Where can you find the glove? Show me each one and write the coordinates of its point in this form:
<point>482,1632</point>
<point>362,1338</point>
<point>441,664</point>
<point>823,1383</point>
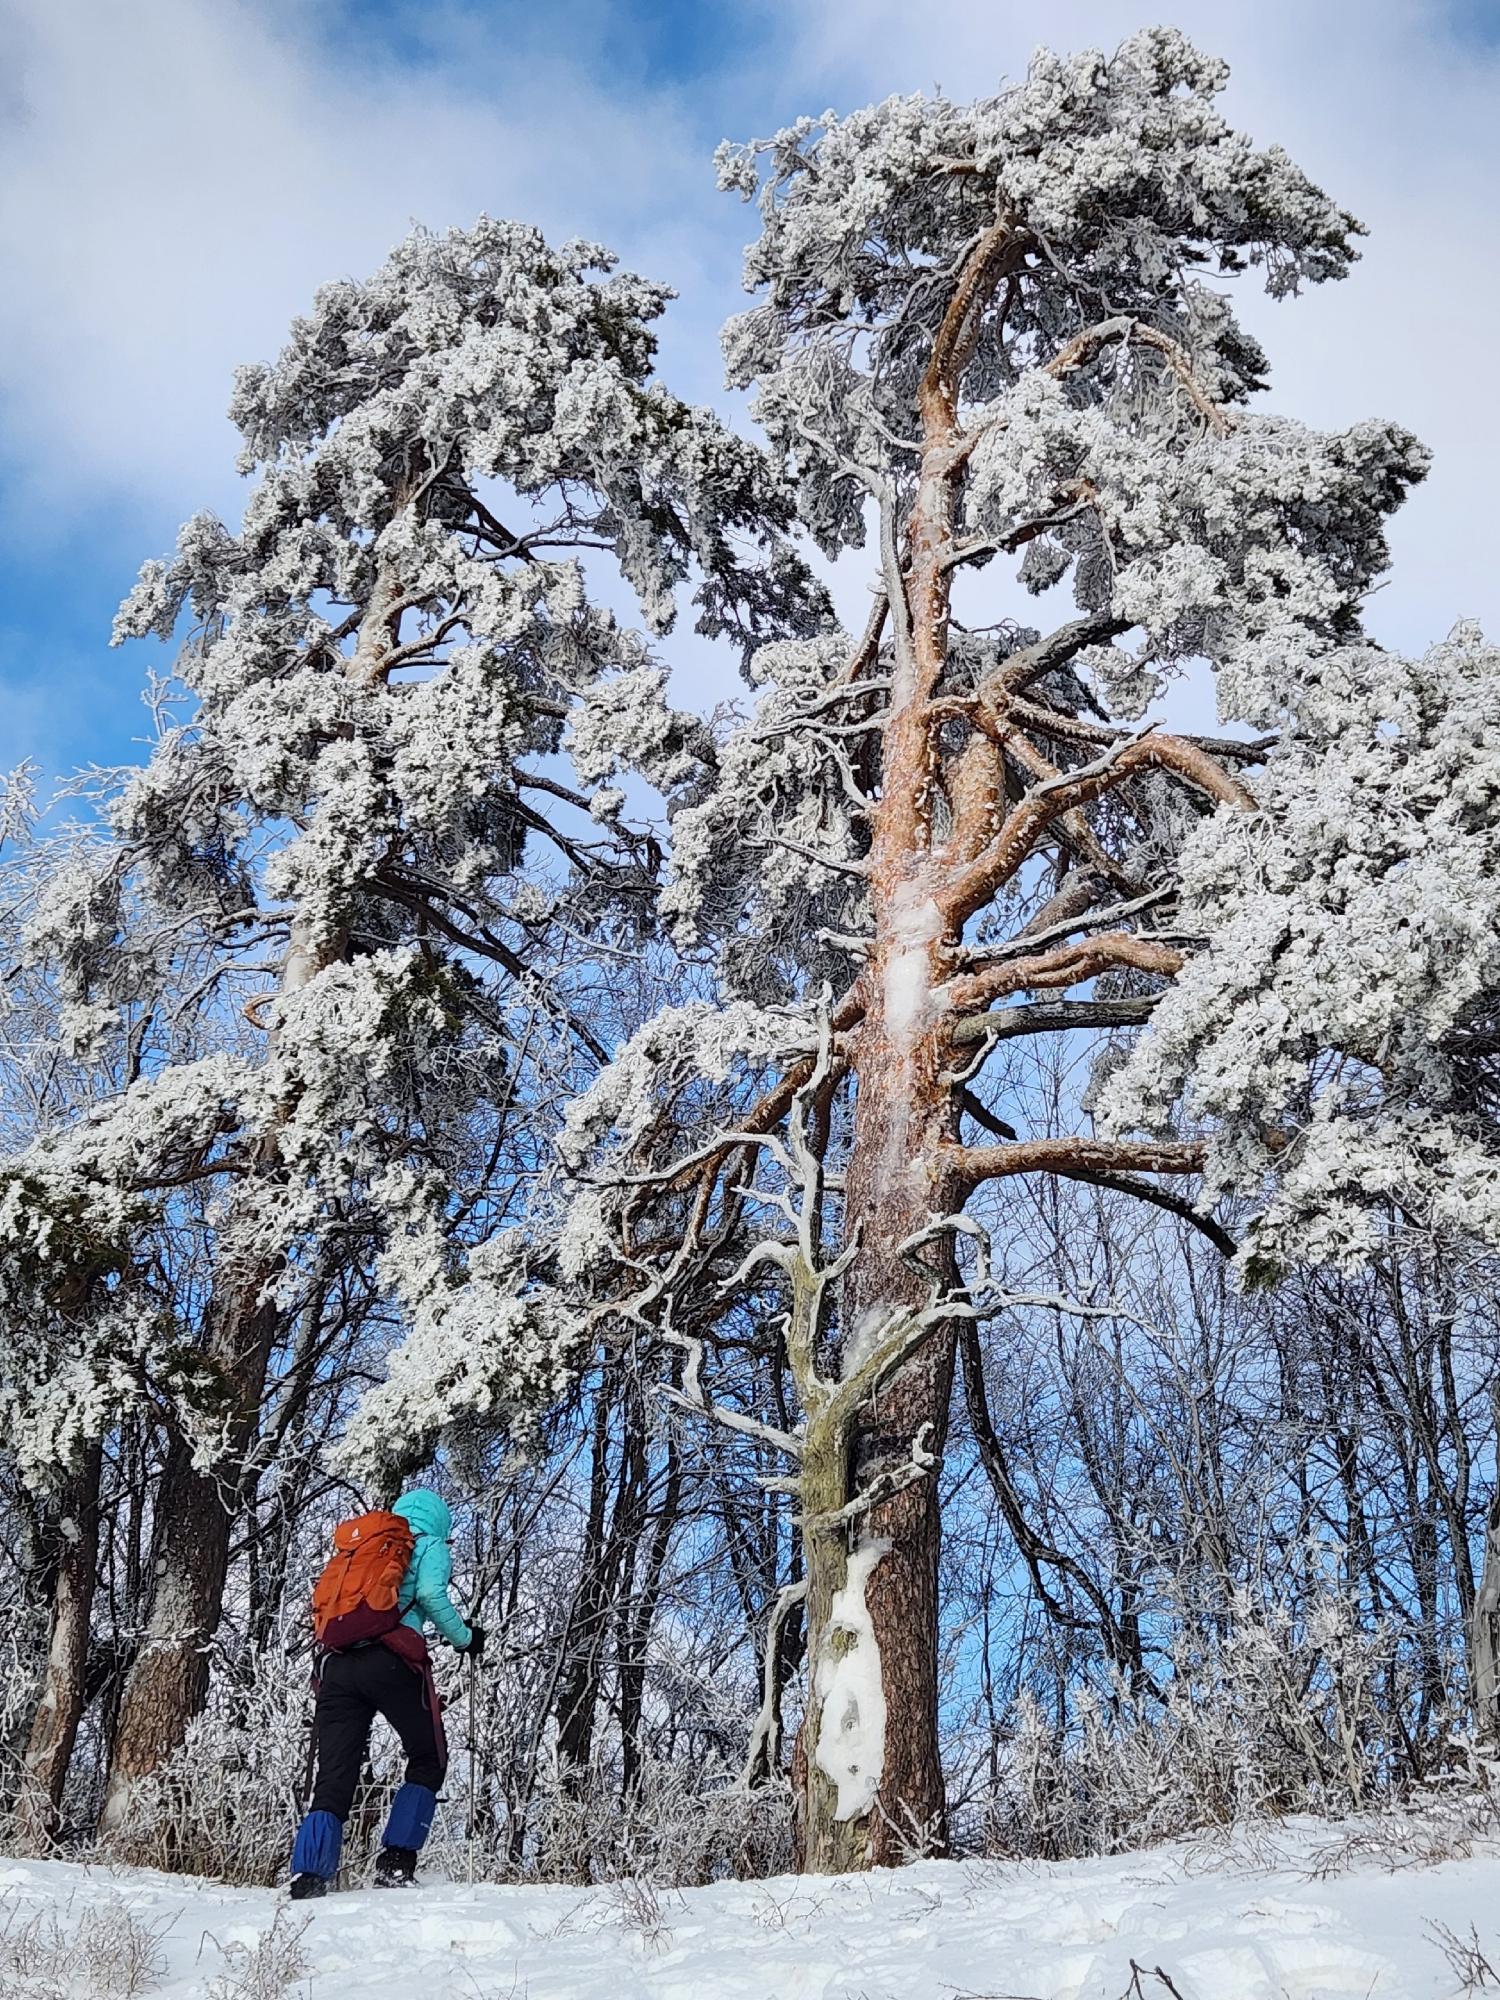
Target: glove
<point>476,1641</point>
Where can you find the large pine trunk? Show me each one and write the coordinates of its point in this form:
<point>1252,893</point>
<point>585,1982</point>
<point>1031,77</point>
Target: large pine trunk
<point>872,1606</point>
<point>873,1791</point>
<point>64,1695</point>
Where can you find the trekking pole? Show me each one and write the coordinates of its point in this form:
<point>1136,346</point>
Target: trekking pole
<point>482,1591</point>
<point>309,1762</point>
<point>473,1765</point>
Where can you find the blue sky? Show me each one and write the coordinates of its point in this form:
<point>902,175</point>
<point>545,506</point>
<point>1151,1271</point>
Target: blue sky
<point>177,175</point>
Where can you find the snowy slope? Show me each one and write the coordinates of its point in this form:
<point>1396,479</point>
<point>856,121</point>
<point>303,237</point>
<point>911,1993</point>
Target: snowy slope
<point>1238,1921</point>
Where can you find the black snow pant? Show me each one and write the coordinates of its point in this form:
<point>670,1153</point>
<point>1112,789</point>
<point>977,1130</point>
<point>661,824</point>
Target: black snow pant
<point>355,1688</point>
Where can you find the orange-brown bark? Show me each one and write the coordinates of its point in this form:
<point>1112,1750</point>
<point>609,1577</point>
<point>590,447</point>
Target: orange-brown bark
<point>1083,958</point>
<point>973,1164</point>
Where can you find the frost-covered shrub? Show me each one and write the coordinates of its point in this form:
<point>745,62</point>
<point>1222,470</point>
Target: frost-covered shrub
<point>268,1969</point>
<point>682,1823</point>
<point>1280,1715</point>
<point>22,1646</point>
<point>108,1953</point>
<point>226,1804</point>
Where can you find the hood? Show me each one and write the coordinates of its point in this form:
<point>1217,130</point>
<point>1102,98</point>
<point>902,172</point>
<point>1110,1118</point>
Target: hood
<point>427,1512</point>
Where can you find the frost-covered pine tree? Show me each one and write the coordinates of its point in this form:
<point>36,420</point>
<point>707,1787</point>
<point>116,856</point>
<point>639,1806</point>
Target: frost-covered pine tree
<point>366,803</point>
<point>1334,1038</point>
<point>983,332</point>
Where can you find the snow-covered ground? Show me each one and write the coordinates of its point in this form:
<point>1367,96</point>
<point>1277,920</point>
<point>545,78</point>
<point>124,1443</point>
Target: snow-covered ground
<point>1282,1916</point>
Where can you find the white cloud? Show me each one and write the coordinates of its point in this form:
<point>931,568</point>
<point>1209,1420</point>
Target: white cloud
<point>1395,113</point>
<point>176,176</point>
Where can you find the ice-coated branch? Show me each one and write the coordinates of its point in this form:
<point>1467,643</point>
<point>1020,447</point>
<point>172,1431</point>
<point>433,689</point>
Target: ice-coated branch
<point>708,1161</point>
<point>734,1420</point>
<point>1083,774</point>
<point>686,1166</point>
<point>1072,826</point>
<point>956,1224</point>
<point>1000,247</point>
<point>1034,663</point>
<point>1028,939</point>
<point>767,1251</point>
<point>813,713</point>
<point>1065,726</point>
<point>800,1260</point>
<point>838,864</point>
<point>1062,790</point>
<point>859,945</point>
<point>764,1747</point>
<point>885,1349</point>
<point>992,1298</point>
<point>1157,1197</point>
<point>867,652</point>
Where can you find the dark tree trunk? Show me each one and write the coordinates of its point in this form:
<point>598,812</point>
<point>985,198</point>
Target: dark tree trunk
<point>639,1616</point>
<point>195,1515</point>
<point>578,1683</point>
<point>54,1724</point>
<point>1484,1618</point>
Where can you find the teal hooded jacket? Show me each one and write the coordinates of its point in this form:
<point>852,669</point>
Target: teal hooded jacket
<point>423,1598</point>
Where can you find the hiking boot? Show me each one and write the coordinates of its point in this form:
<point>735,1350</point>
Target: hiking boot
<point>304,1886</point>
<point>396,1868</point>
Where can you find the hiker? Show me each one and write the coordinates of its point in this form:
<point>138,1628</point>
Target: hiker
<point>389,1577</point>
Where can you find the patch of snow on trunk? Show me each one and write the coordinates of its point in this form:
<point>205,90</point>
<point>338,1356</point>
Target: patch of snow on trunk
<point>868,1331</point>
<point>851,1730</point>
<point>916,923</point>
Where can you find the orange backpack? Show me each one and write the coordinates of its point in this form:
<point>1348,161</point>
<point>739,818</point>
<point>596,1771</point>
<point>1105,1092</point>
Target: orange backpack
<point>355,1598</point>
